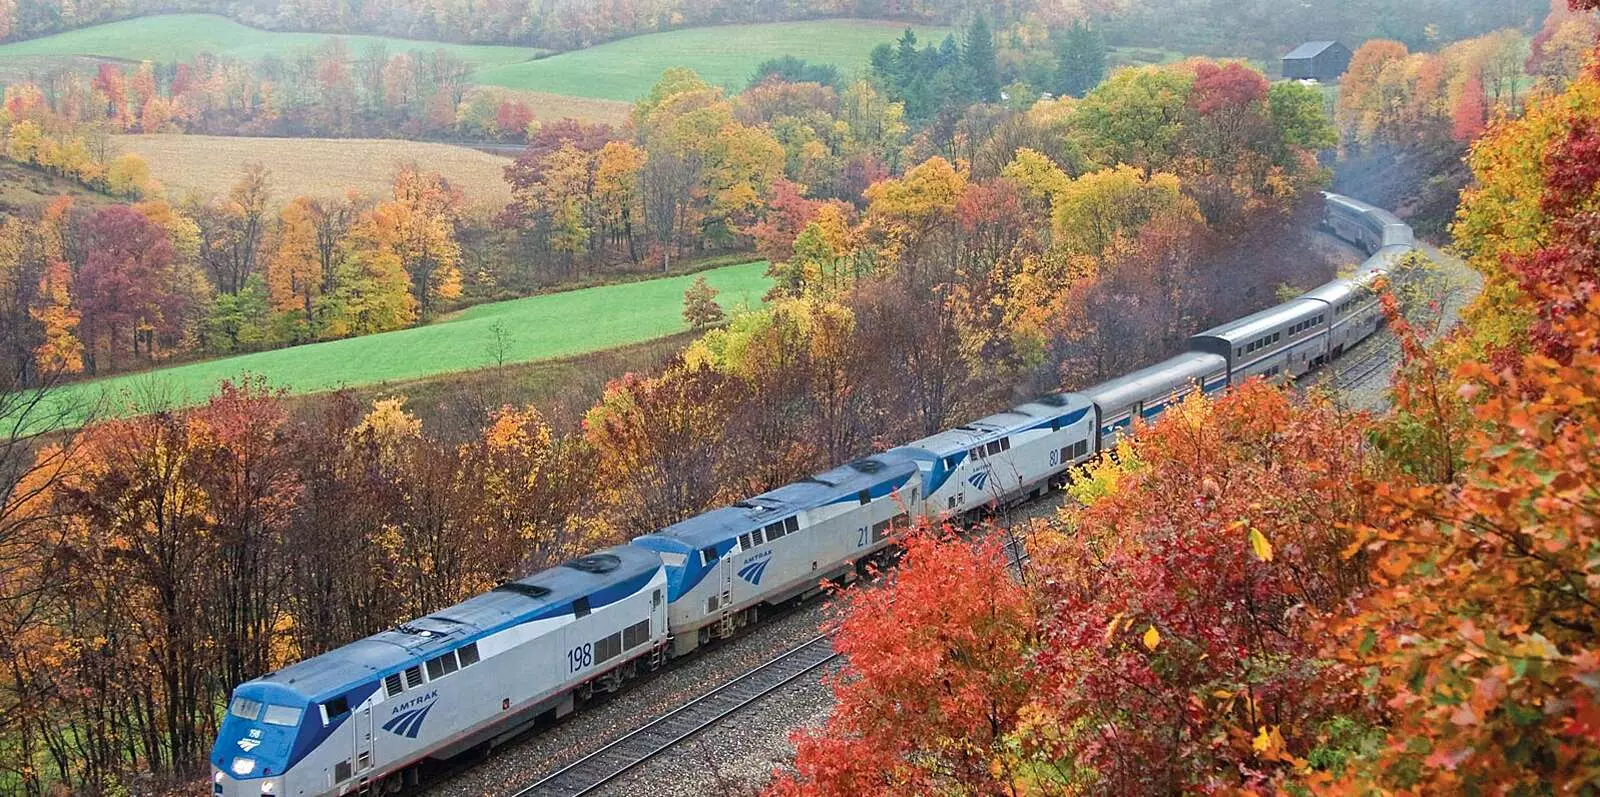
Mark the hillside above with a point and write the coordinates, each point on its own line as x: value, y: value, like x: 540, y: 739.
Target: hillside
x: 179, y: 37
x: 490, y: 335
x: 725, y: 55
x: 314, y: 166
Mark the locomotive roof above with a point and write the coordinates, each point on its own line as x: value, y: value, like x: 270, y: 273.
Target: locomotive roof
x: 876, y: 474
x: 547, y: 593
x: 1264, y: 322
x: 1160, y: 379
x: 1038, y: 412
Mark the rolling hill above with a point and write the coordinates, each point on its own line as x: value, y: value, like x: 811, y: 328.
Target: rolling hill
x: 490, y: 335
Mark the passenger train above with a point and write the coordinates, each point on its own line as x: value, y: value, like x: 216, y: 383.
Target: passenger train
x: 361, y: 717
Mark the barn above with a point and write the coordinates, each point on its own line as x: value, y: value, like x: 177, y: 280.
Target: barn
x: 1324, y: 61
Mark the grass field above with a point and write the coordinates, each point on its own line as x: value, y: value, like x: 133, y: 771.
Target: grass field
x: 535, y: 328
x: 725, y: 55
x: 321, y: 167
x: 179, y: 37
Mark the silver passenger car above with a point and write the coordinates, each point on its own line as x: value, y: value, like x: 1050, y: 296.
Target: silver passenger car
x: 1144, y: 394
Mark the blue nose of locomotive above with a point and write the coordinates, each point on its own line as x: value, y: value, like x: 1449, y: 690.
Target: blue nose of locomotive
x: 256, y: 744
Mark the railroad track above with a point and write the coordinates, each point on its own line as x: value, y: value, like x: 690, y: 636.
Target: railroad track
x: 1380, y: 354
x: 600, y: 767
x: 596, y: 769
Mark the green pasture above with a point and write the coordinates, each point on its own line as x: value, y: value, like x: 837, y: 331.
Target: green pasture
x: 179, y: 37
x: 486, y: 336
x: 725, y: 55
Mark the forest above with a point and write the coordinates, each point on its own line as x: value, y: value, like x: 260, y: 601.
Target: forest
x: 1411, y: 607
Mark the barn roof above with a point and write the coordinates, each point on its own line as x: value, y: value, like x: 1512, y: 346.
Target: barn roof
x: 1308, y: 50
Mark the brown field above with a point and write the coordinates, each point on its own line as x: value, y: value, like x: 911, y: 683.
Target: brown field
x: 551, y: 107
x: 313, y: 166
x: 23, y: 187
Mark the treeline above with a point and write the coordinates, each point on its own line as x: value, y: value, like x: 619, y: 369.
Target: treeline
x: 155, y: 562
x: 1267, y: 29
x: 1407, y: 118
x: 323, y: 91
x: 1271, y: 595
x: 97, y: 288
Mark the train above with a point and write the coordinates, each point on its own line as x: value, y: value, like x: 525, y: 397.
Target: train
x: 359, y: 719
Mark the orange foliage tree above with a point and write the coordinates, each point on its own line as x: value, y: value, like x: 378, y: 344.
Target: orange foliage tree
x: 936, y: 683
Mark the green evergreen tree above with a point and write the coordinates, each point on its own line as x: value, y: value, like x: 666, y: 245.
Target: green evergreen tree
x: 981, y: 69
x: 907, y: 62
x: 1080, y: 60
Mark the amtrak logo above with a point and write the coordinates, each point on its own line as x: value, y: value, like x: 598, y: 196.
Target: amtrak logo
x: 249, y: 744
x: 979, y: 479
x: 408, y: 717
x: 753, y: 570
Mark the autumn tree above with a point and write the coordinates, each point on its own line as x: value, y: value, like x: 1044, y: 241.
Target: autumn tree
x: 294, y: 270
x: 1135, y: 117
x: 656, y: 440
x: 935, y: 683
x: 700, y: 306
x: 125, y: 285
x: 232, y: 230
x: 417, y: 228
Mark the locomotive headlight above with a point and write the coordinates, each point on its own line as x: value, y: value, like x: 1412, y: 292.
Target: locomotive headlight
x: 269, y: 788
x: 217, y: 778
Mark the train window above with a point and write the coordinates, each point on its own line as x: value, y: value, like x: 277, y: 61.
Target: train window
x: 413, y: 677
x: 1276, y: 336
x: 708, y: 555
x: 288, y: 716
x: 245, y: 708
x: 950, y: 463
x: 468, y: 654
x: 655, y: 598
x: 994, y: 447
x: 791, y: 525
x: 392, y: 685
x: 1005, y: 444
x: 336, y: 707
x: 864, y: 497
x: 580, y: 607
x: 450, y: 664
x: 607, y: 648
x: 635, y: 635
x: 435, y: 669
x: 1239, y: 352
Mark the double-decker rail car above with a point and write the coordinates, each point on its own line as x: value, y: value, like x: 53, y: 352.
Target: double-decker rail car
x: 724, y: 565
x: 1352, y: 314
x: 1146, y: 393
x: 441, y: 684
x: 1287, y: 340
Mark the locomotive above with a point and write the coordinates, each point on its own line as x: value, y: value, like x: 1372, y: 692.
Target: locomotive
x: 360, y: 717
